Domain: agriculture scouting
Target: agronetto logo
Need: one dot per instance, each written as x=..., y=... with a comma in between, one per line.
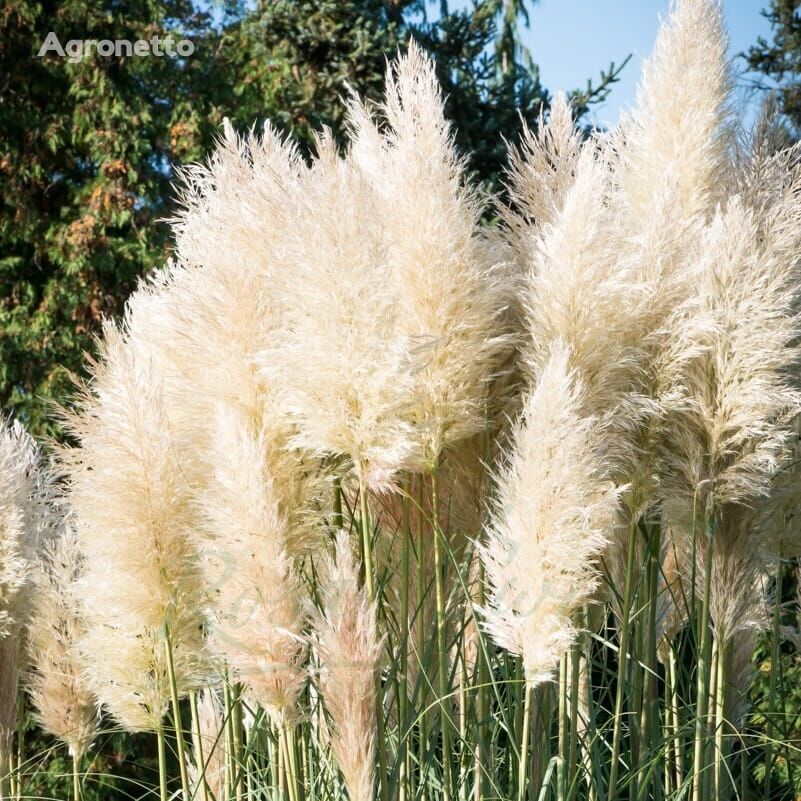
x=75, y=49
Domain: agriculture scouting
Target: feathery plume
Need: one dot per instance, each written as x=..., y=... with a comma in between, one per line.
x=349, y=649
x=65, y=706
x=25, y=523
x=540, y=174
x=21, y=517
x=142, y=582
x=548, y=526
x=393, y=306
x=729, y=420
x=451, y=295
x=674, y=147
x=255, y=593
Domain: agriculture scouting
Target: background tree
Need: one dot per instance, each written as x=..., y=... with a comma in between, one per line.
x=779, y=61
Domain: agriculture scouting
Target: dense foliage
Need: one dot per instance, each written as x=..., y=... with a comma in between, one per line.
x=779, y=61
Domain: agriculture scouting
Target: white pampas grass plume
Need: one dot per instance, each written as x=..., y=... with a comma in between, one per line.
x=675, y=145
x=729, y=418
x=548, y=527
x=25, y=523
x=20, y=461
x=65, y=706
x=392, y=304
x=349, y=648
x=541, y=171
x=341, y=361
x=135, y=520
x=450, y=294
x=257, y=616
x=208, y=750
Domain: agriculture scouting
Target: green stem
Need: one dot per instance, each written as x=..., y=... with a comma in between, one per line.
x=162, y=751
x=774, y=672
x=564, y=722
x=76, y=778
x=719, y=717
x=403, y=699
x=6, y=788
x=482, y=705
x=236, y=726
x=176, y=714
x=574, y=661
x=197, y=745
x=649, y=727
x=422, y=745
x=673, y=690
x=522, y=767
x=622, y=658
x=369, y=581
x=441, y=641
x=337, y=503
x=704, y=670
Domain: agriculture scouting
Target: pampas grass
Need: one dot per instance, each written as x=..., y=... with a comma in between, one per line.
x=65, y=705
x=349, y=648
x=548, y=528
x=417, y=493
x=141, y=587
x=25, y=524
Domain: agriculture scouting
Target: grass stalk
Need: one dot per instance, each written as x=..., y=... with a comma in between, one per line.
x=574, y=662
x=76, y=780
x=403, y=696
x=482, y=706
x=162, y=752
x=176, y=716
x=770, y=751
x=719, y=718
x=369, y=583
x=622, y=660
x=672, y=691
x=704, y=670
x=442, y=651
x=564, y=724
x=522, y=768
x=197, y=747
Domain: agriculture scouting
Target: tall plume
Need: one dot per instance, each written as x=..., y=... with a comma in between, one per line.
x=25, y=524
x=142, y=579
x=674, y=148
x=549, y=523
x=349, y=649
x=65, y=706
x=255, y=593
x=394, y=308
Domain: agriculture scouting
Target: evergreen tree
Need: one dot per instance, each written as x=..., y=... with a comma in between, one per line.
x=779, y=60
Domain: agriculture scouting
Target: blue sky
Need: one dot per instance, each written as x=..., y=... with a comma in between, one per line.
x=573, y=40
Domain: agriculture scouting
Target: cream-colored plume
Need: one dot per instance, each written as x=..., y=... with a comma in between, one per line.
x=23, y=520
x=450, y=295
x=549, y=525
x=256, y=621
x=674, y=147
x=135, y=522
x=65, y=705
x=729, y=420
x=540, y=174
x=393, y=306
x=26, y=523
x=349, y=649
